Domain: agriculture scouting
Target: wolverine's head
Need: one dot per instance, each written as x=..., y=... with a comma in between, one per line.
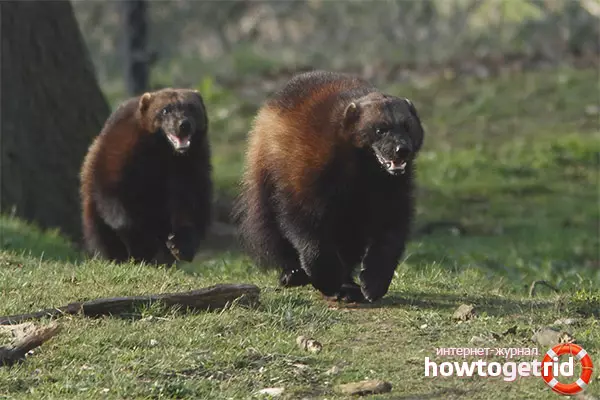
x=178, y=114
x=389, y=126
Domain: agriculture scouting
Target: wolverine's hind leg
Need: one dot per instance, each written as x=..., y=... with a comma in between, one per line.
x=292, y=273
x=281, y=253
x=103, y=240
x=143, y=244
x=262, y=237
x=318, y=256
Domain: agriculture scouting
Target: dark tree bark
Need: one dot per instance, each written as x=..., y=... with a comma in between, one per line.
x=137, y=58
x=50, y=109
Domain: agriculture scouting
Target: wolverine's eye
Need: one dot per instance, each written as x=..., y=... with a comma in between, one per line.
x=379, y=131
x=165, y=111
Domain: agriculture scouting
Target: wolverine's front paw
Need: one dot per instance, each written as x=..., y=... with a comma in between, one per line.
x=295, y=277
x=373, y=287
x=328, y=287
x=172, y=247
x=182, y=246
x=164, y=256
x=350, y=293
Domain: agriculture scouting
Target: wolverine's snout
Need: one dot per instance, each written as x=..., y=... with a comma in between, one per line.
x=394, y=156
x=403, y=151
x=185, y=127
x=180, y=133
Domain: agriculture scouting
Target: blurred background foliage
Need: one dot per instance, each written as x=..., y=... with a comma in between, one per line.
x=241, y=41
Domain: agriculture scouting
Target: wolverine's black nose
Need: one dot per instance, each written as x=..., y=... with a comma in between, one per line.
x=185, y=126
x=403, y=151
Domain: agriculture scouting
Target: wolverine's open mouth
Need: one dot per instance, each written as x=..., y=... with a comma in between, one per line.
x=180, y=144
x=397, y=167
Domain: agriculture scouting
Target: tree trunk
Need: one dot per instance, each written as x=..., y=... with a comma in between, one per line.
x=136, y=55
x=50, y=107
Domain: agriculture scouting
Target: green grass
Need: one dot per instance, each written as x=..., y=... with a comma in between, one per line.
x=510, y=166
x=25, y=239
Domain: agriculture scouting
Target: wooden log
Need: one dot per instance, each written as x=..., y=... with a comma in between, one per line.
x=210, y=298
x=26, y=341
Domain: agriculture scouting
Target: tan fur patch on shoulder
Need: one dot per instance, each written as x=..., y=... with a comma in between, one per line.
x=106, y=157
x=288, y=147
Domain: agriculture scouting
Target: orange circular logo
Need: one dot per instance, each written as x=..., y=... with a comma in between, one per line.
x=586, y=369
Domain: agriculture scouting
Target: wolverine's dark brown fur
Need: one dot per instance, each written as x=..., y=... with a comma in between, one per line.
x=146, y=177
x=329, y=183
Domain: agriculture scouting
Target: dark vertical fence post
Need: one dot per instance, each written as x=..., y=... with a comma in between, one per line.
x=135, y=28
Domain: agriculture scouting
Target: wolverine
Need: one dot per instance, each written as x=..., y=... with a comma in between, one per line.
x=328, y=184
x=146, y=186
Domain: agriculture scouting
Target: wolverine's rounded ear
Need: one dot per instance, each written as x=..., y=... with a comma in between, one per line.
x=145, y=102
x=197, y=93
x=201, y=100
x=419, y=135
x=351, y=113
x=412, y=109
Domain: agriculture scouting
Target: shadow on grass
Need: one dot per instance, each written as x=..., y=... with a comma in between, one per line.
x=491, y=305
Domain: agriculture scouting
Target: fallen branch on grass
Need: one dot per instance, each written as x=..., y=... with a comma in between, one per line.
x=210, y=298
x=27, y=338
x=540, y=283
